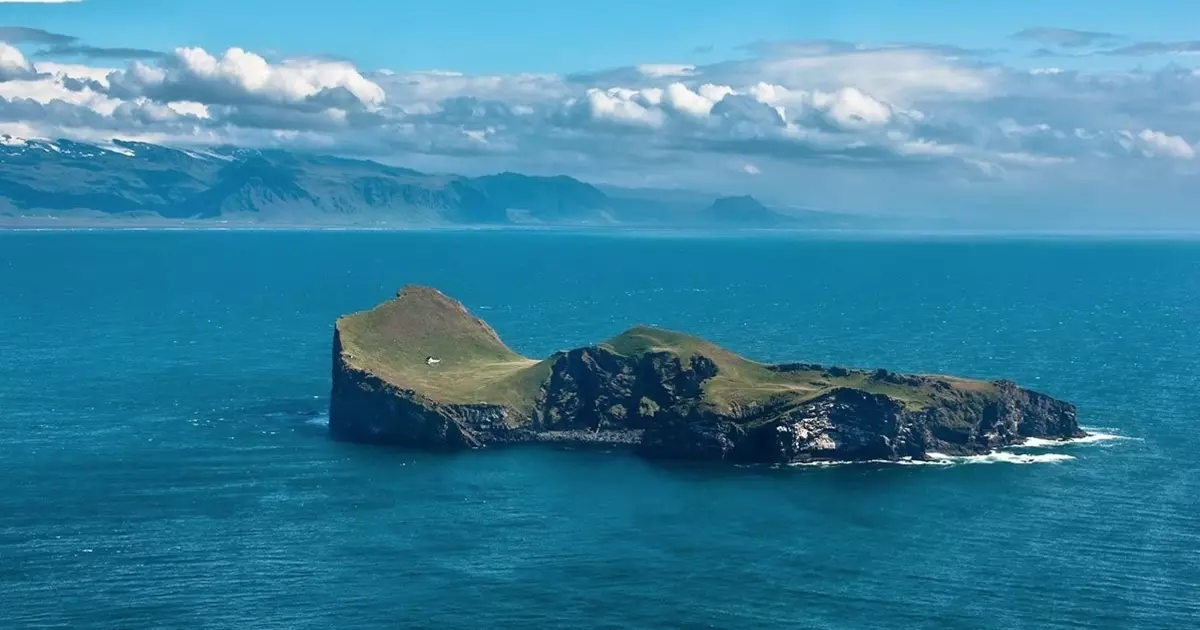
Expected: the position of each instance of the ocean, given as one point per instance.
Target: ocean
(165, 461)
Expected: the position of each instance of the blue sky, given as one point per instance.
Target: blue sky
(1063, 108)
(558, 36)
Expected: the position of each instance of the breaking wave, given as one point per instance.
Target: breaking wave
(1015, 454)
(1094, 436)
(1010, 455)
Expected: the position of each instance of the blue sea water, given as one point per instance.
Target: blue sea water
(164, 461)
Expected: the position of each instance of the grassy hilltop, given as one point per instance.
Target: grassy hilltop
(393, 340)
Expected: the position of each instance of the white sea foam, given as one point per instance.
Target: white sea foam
(941, 459)
(1003, 457)
(826, 464)
(321, 420)
(906, 461)
(1094, 436)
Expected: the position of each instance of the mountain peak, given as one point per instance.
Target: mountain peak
(742, 210)
(739, 202)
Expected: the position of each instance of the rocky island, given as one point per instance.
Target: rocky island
(420, 371)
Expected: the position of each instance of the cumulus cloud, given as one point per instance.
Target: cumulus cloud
(241, 77)
(759, 119)
(623, 107)
(846, 109)
(1153, 143)
(13, 64)
(648, 107)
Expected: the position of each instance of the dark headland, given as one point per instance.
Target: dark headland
(420, 371)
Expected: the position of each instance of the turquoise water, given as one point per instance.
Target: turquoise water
(165, 464)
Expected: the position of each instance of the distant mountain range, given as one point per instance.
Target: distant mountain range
(130, 181)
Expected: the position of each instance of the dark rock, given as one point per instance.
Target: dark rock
(787, 368)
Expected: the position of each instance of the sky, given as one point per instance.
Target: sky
(1077, 111)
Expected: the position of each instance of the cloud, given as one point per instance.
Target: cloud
(1066, 38)
(660, 70)
(60, 45)
(620, 106)
(98, 52)
(13, 65)
(897, 73)
(23, 34)
(1101, 43)
(422, 91)
(900, 73)
(1158, 144)
(241, 77)
(762, 119)
(1142, 49)
(847, 109)
(826, 47)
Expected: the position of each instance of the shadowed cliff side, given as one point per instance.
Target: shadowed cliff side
(420, 371)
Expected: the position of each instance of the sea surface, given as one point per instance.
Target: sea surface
(164, 458)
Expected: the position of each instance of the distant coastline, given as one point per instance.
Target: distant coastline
(108, 225)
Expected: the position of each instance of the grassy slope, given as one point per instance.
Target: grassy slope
(393, 339)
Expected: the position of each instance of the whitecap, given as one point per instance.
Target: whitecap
(320, 420)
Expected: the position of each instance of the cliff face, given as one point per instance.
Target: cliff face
(670, 396)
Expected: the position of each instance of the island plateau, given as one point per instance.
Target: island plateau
(420, 371)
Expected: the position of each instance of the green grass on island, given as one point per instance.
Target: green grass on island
(393, 341)
(740, 381)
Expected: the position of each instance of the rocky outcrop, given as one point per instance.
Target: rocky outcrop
(853, 425)
(661, 402)
(597, 388)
